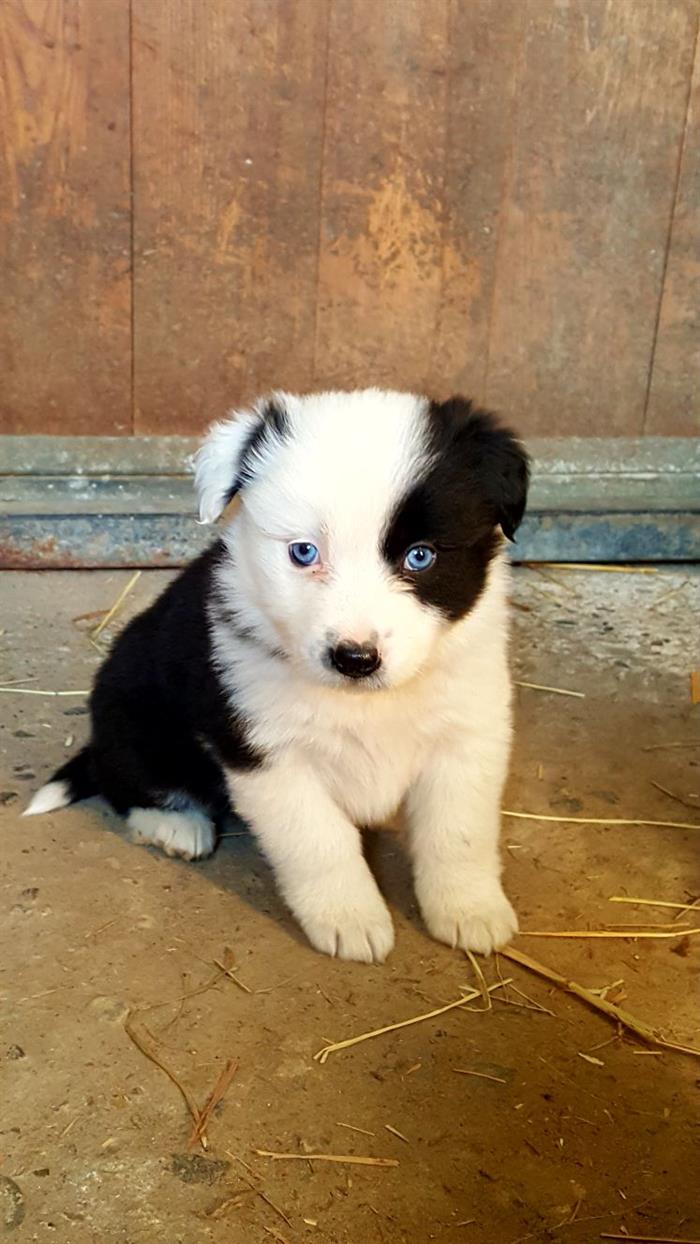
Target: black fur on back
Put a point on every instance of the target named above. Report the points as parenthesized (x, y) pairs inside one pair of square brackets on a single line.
[(161, 723)]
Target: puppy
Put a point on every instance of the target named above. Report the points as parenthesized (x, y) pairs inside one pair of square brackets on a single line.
[(339, 652)]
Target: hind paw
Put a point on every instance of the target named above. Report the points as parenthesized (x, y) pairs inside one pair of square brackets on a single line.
[(189, 835)]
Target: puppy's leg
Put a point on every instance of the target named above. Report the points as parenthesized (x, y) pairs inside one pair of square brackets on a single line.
[(454, 819), (316, 854)]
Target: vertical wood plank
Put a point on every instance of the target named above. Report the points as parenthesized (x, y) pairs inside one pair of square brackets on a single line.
[(674, 394), (485, 38), (585, 212), (382, 212), (228, 119), (64, 217)]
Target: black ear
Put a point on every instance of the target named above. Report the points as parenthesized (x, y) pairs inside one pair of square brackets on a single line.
[(234, 450), (495, 462)]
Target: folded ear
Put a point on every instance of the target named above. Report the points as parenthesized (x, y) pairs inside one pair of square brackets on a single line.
[(494, 460), (234, 451)]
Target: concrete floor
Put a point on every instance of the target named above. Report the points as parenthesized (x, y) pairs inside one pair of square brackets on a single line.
[(556, 1146)]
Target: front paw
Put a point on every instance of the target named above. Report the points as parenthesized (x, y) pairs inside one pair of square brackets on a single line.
[(346, 917), (472, 913)]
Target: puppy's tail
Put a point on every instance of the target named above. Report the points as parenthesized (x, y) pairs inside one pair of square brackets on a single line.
[(73, 781)]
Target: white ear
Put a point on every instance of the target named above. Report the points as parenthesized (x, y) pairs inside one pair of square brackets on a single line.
[(217, 463)]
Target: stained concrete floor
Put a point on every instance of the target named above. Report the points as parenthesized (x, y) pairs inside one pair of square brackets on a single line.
[(579, 1131)]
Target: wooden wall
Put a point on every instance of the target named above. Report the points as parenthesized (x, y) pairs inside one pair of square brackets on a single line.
[(201, 199)]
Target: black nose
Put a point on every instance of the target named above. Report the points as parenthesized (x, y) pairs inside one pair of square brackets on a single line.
[(355, 660)]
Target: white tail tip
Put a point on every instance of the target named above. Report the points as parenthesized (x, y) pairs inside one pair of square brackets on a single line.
[(51, 796)]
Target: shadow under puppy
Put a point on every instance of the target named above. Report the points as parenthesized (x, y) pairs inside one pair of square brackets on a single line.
[(341, 650)]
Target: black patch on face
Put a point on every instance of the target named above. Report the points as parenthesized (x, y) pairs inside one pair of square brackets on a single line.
[(475, 482), (273, 422)]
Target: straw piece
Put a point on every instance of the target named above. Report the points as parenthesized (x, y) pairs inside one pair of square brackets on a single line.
[(34, 691), (321, 1055), (481, 1075), (648, 1034), (345, 1158), (633, 932), (146, 1047), (593, 820), (598, 568), (537, 686), (116, 606), (652, 902), (212, 1101)]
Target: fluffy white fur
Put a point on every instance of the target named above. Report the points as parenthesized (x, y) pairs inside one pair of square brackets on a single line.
[(432, 733)]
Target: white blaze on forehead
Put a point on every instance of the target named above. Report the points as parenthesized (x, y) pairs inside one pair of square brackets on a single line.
[(347, 461)]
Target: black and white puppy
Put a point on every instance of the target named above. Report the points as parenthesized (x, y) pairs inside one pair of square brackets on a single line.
[(338, 653)]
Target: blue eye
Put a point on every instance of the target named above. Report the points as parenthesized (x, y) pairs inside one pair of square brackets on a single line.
[(303, 554), (420, 557)]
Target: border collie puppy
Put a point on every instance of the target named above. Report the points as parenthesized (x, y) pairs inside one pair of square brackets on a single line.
[(339, 652)]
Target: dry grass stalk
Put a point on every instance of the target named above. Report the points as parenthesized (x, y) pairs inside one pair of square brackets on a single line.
[(321, 1055), (653, 902), (536, 686), (395, 1132), (633, 932), (222, 1208), (145, 1045), (662, 747), (346, 1159), (111, 613), (232, 976), (556, 691), (687, 803), (351, 1128), (212, 1101), (597, 568), (596, 820), (9, 690), (254, 1187), (641, 1029), (481, 1075)]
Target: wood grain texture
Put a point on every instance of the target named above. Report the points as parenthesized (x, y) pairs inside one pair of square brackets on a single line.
[(382, 203), (64, 216), (674, 393), (601, 94), (228, 120)]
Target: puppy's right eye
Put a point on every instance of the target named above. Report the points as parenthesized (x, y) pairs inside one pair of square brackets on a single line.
[(303, 554)]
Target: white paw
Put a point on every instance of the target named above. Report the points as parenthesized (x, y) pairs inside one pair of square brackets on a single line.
[(187, 834), (346, 917), (473, 914)]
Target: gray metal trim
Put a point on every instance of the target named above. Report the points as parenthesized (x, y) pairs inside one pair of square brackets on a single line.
[(110, 501)]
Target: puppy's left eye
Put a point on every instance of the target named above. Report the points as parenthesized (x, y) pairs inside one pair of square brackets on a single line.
[(420, 557), (303, 554)]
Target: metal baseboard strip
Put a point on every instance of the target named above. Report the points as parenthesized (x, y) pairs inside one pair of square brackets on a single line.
[(82, 502)]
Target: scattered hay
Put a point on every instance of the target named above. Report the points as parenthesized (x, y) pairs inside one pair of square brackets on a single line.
[(481, 1075), (653, 902), (10, 690), (321, 1055), (594, 567), (212, 1101), (144, 1043), (628, 932), (641, 1029), (596, 820), (537, 686), (111, 613), (346, 1159), (395, 1132)]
